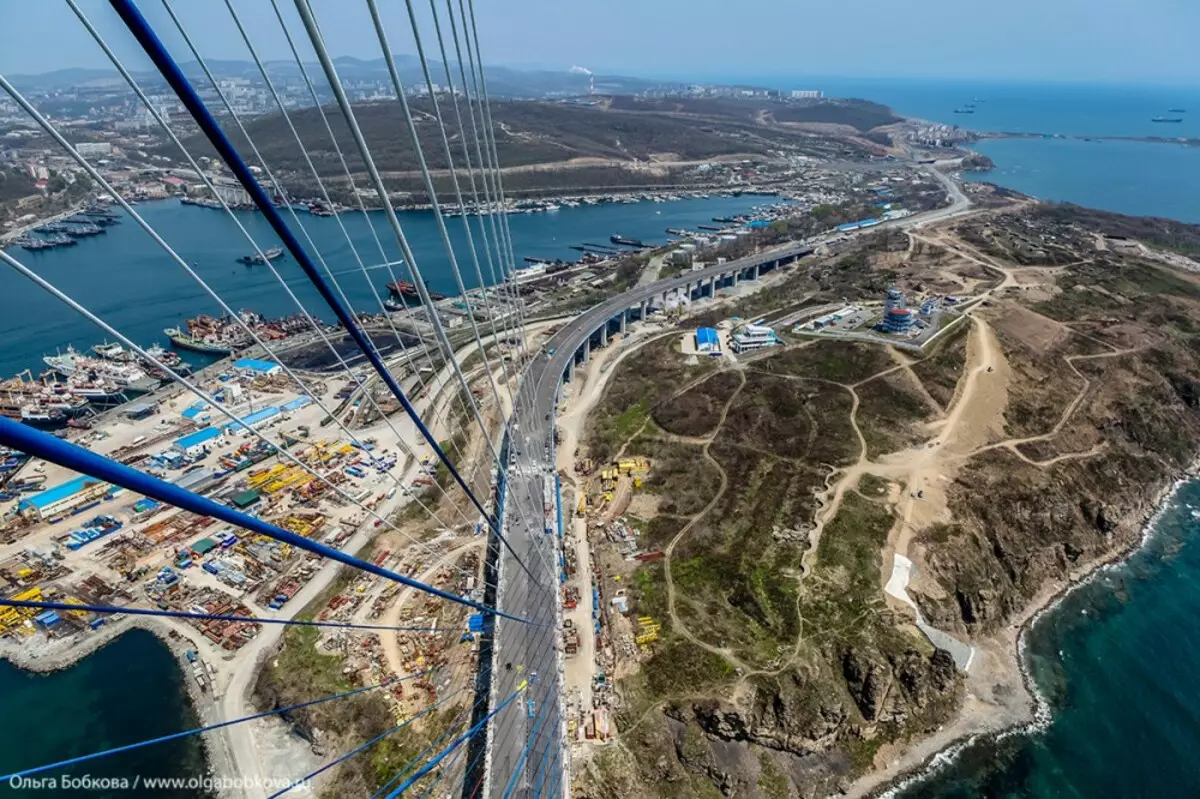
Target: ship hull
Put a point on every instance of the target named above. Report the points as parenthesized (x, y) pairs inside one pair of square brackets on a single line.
[(185, 343)]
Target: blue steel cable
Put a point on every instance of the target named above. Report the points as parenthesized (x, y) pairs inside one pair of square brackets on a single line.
[(186, 93), (533, 736), (537, 789), (45, 446), (188, 733), (441, 739), (364, 746), (179, 614), (449, 765), (432, 764)]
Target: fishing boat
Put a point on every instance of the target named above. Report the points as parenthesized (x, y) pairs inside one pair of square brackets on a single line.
[(268, 255)]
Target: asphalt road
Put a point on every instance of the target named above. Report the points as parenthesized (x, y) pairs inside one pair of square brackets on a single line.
[(527, 747)]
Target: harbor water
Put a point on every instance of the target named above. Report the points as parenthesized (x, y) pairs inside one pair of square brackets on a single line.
[(126, 692), (125, 278)]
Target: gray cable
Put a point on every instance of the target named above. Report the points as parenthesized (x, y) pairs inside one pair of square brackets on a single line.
[(513, 316), (49, 128), (133, 84), (377, 181), (437, 211)]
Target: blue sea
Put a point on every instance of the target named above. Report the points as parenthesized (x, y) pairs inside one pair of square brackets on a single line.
[(125, 278), (1140, 178), (1117, 665)]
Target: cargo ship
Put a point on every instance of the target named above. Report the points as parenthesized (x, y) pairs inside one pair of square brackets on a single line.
[(1167, 119), (185, 341), (619, 239), (402, 289), (254, 260)]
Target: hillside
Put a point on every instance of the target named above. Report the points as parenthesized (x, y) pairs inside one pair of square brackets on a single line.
[(607, 133), (1020, 450)]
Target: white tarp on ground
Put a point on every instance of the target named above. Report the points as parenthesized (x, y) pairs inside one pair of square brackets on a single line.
[(897, 586)]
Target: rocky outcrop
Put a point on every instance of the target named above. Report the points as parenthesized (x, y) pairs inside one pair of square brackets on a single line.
[(867, 676)]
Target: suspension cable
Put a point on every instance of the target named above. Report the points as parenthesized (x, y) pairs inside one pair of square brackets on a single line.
[(187, 94), (437, 215), (362, 208), (179, 614), (377, 181), (316, 326), (441, 125), (512, 317)]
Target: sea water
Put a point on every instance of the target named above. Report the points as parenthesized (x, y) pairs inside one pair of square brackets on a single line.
[(125, 278), (131, 690), (1117, 663)]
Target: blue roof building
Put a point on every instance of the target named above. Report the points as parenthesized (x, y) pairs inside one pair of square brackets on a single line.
[(302, 401), (194, 444), (253, 420), (707, 340), (195, 410), (64, 498), (256, 367)]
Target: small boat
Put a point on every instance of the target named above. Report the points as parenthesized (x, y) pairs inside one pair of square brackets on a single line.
[(254, 260)]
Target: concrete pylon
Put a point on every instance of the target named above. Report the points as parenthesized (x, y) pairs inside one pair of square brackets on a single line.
[(735, 278), (624, 320), (712, 286), (587, 349), (645, 309), (570, 369), (604, 334), (755, 272)]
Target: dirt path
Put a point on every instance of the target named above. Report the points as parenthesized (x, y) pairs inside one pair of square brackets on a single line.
[(1012, 444), (669, 552), (391, 618)]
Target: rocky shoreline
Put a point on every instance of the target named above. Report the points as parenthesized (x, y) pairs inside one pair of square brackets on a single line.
[(926, 758)]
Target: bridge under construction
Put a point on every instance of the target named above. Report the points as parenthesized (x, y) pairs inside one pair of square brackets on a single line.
[(495, 718)]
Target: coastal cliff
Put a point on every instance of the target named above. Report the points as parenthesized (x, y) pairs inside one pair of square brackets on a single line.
[(1091, 409)]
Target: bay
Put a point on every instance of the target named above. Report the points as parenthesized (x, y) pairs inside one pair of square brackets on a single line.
[(125, 278), (128, 691)]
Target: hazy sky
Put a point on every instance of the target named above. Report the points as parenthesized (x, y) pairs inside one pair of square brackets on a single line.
[(1052, 40)]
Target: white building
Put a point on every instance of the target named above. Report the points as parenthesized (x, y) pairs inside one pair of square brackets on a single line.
[(753, 337), (94, 149), (807, 94), (194, 444)]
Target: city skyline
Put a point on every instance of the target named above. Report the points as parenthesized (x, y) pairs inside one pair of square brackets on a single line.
[(1071, 42)]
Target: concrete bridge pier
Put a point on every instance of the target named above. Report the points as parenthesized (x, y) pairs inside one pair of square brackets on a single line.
[(735, 278), (570, 370), (624, 320), (755, 277), (644, 309), (587, 349), (604, 334)]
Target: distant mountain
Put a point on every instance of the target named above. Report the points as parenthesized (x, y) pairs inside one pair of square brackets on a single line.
[(502, 81)]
